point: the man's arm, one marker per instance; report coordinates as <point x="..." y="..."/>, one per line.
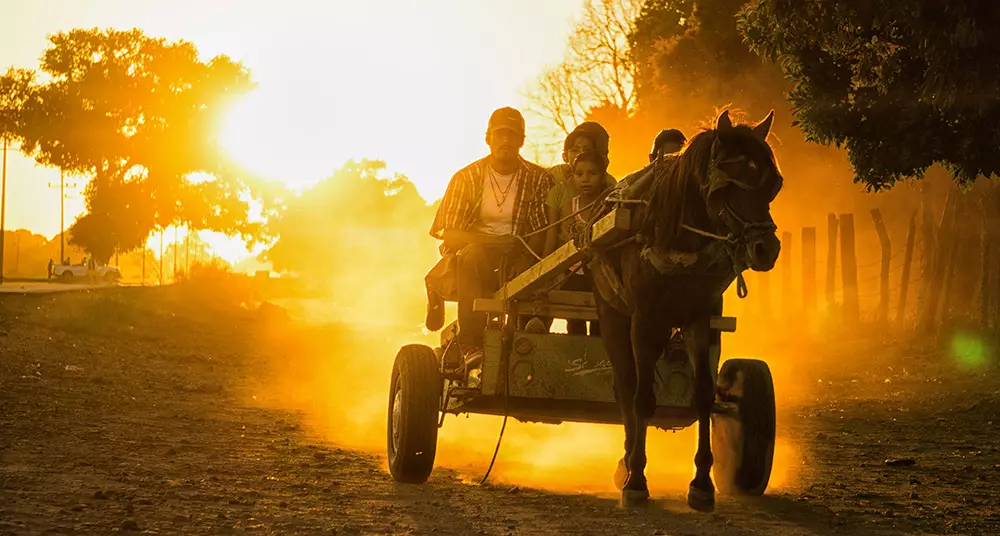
<point x="552" y="235"/>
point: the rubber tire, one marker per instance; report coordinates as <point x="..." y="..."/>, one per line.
<point x="416" y="374"/>
<point x="743" y="445"/>
<point x="66" y="277"/>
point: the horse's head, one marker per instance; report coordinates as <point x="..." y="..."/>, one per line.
<point x="741" y="182"/>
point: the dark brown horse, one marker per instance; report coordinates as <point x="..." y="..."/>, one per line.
<point x="706" y="218"/>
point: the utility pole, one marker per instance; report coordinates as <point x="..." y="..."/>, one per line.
<point x="175" y="253"/>
<point x="161" y="257"/>
<point x="3" y="206"/>
<point x="62" y="216"/>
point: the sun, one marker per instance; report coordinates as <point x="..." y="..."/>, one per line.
<point x="257" y="132"/>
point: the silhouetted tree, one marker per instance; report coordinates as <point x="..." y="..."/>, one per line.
<point x="901" y="84"/>
<point x="598" y="68"/>
<point x="16" y="90"/>
<point x="139" y="116"/>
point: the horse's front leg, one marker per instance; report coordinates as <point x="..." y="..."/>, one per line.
<point x="697" y="336"/>
<point x="618" y="346"/>
<point x="647" y="346"/>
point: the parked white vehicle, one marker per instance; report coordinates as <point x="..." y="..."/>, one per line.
<point x="69" y="272"/>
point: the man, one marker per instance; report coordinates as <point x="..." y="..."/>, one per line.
<point x="668" y="141"/>
<point x="587" y="137"/>
<point x="487" y="206"/>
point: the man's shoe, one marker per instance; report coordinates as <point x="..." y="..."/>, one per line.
<point x="536" y="325"/>
<point x="435" y="312"/>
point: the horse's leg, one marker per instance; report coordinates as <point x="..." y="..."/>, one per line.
<point x="618" y="347"/>
<point x="647" y="346"/>
<point x="697" y="336"/>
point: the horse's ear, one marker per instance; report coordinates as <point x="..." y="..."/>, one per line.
<point x="761" y="130"/>
<point x="723" y="121"/>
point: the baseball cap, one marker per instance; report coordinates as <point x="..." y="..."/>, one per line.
<point x="506" y="118"/>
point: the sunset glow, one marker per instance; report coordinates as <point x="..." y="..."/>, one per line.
<point x="411" y="83"/>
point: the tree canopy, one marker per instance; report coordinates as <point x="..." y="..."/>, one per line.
<point x="329" y="225"/>
<point x="901" y="84"/>
<point x="16" y="90"/>
<point x="139" y="115"/>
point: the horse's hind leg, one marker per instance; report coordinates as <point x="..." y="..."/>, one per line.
<point x="697" y="336"/>
<point x="618" y="346"/>
<point x="647" y="346"/>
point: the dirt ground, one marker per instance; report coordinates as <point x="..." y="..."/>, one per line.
<point x="133" y="410"/>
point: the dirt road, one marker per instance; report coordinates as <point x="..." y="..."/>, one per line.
<point x="133" y="410"/>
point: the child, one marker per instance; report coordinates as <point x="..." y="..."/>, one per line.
<point x="589" y="169"/>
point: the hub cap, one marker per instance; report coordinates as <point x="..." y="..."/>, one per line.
<point x="397" y="418"/>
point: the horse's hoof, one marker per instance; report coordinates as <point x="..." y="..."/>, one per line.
<point x="635" y="498"/>
<point x="701" y="500"/>
<point x="621" y="474"/>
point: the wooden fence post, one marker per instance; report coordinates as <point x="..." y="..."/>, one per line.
<point x="929" y="314"/>
<point x="985" y="286"/>
<point x="849" y="268"/>
<point x="831" y="260"/>
<point x="927" y="232"/>
<point x="883" y="239"/>
<point x="907" y="260"/>
<point x="809" y="270"/>
<point x="787" y="285"/>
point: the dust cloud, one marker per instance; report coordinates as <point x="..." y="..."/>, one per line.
<point x="336" y="355"/>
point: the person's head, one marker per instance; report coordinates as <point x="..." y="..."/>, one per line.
<point x="505" y="135"/>
<point x="588" y="172"/>
<point x="667" y="141"/>
<point x="589" y="136"/>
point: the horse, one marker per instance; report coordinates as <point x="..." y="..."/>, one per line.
<point x="704" y="219"/>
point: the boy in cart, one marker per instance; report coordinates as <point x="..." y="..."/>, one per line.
<point x="588" y="171"/>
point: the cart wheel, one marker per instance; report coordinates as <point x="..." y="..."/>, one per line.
<point x="743" y="439"/>
<point x="414" y="396"/>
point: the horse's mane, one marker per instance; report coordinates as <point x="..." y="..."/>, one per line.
<point x="680" y="180"/>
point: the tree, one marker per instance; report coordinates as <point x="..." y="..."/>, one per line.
<point x="139" y="115"/>
<point x="598" y="68"/>
<point x="901" y="84"/>
<point x="693" y="61"/>
<point x="361" y="238"/>
<point x="16" y="90"/>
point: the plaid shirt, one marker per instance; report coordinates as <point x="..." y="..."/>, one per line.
<point x="460" y="206"/>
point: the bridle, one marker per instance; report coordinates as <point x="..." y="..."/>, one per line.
<point x="746" y="232"/>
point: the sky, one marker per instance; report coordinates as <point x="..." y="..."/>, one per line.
<point x="411" y="82"/>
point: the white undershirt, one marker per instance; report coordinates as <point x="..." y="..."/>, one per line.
<point x="496" y="214"/>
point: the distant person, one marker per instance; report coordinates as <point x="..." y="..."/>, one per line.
<point x="668" y="141"/>
<point x="486" y="207"/>
<point x="51" y="268"/>
<point x="589" y="169"/>
<point x="588" y="136"/>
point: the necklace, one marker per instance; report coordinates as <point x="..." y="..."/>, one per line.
<point x="499" y="194"/>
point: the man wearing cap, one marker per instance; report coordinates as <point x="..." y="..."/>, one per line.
<point x="487" y="205"/>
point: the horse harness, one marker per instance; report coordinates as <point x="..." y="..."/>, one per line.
<point x="709" y="259"/>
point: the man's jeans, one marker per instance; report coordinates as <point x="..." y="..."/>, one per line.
<point x="482" y="268"/>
